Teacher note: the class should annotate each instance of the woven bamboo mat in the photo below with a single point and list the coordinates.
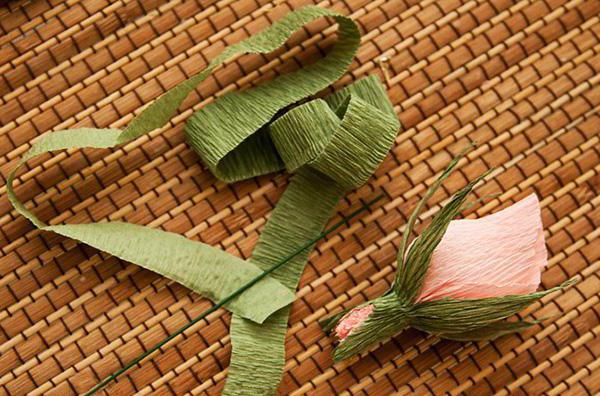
(520, 77)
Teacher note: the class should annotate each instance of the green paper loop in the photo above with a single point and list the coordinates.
(300, 136)
(231, 134)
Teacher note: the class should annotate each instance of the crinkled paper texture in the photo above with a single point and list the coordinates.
(497, 255)
(358, 142)
(352, 320)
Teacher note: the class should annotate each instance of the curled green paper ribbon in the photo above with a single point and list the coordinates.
(207, 270)
(333, 145)
(202, 268)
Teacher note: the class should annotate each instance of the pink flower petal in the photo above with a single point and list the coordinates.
(497, 255)
(352, 320)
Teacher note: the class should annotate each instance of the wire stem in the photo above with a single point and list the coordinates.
(231, 297)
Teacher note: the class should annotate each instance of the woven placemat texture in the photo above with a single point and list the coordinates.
(521, 77)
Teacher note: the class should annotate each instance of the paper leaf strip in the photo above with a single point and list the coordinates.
(259, 106)
(460, 279)
(207, 270)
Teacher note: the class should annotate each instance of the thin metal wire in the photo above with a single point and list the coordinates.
(231, 297)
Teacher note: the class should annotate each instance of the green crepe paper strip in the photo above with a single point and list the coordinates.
(333, 144)
(456, 319)
(148, 352)
(202, 268)
(258, 351)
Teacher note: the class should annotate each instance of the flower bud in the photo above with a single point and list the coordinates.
(460, 279)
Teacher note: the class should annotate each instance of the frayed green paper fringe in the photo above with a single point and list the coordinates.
(333, 145)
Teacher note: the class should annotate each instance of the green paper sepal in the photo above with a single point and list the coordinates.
(490, 331)
(450, 315)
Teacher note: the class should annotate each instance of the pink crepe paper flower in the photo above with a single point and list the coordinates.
(460, 279)
(498, 255)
